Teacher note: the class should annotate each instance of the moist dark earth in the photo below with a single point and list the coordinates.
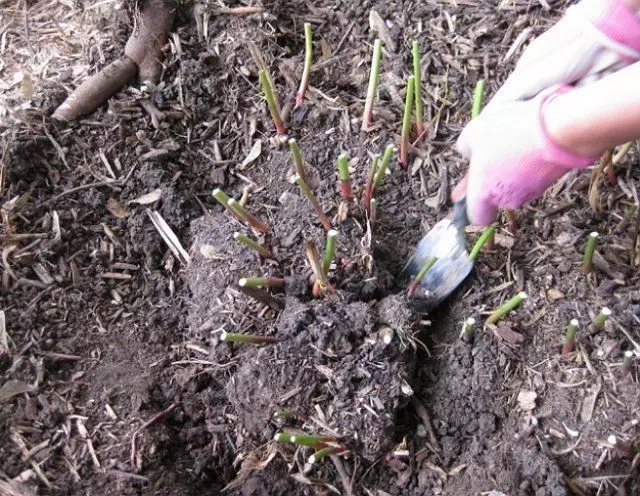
(114, 377)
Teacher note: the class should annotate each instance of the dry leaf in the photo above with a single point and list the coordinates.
(589, 403)
(378, 26)
(509, 335)
(151, 197)
(14, 387)
(598, 170)
(554, 294)
(116, 209)
(527, 400)
(255, 152)
(564, 239)
(504, 241)
(249, 464)
(209, 252)
(27, 86)
(4, 340)
(325, 49)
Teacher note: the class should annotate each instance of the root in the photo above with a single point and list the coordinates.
(149, 36)
(97, 89)
(141, 58)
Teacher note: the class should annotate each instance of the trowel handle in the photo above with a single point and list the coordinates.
(459, 197)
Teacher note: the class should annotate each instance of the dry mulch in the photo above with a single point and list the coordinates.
(113, 376)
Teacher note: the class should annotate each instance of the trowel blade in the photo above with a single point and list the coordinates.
(446, 242)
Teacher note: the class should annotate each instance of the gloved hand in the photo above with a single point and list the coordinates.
(594, 38)
(512, 157)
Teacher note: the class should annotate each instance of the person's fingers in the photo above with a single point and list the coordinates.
(481, 210)
(463, 143)
(547, 62)
(461, 189)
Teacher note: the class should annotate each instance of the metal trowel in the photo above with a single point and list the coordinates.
(446, 242)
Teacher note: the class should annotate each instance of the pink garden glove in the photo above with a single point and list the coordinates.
(594, 38)
(512, 158)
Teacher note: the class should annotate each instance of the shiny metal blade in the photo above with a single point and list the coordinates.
(446, 242)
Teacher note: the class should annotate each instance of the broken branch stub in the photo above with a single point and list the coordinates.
(141, 58)
(96, 90)
(150, 34)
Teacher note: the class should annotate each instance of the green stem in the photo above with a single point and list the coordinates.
(587, 261)
(627, 361)
(308, 58)
(297, 158)
(221, 196)
(382, 170)
(321, 286)
(254, 245)
(570, 337)
(417, 74)
(283, 414)
(232, 337)
(236, 207)
(373, 85)
(467, 329)
(601, 318)
(283, 437)
(313, 441)
(343, 175)
(373, 206)
(321, 453)
(368, 188)
(318, 442)
(271, 102)
(418, 279)
(506, 308)
(239, 211)
(260, 282)
(406, 122)
(314, 202)
(488, 234)
(478, 96)
(329, 251)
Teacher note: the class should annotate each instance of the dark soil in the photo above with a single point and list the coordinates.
(114, 379)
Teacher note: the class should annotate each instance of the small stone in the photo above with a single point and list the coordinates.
(527, 400)
(554, 294)
(564, 266)
(564, 239)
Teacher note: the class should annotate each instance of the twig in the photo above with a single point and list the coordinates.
(98, 184)
(263, 297)
(368, 188)
(344, 477)
(153, 419)
(426, 420)
(238, 10)
(169, 236)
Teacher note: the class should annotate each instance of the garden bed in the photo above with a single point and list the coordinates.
(121, 383)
